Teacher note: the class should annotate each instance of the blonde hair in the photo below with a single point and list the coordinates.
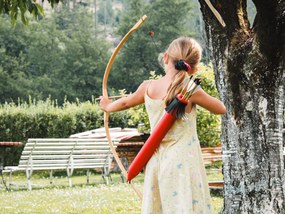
(190, 51)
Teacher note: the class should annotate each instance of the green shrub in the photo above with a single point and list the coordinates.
(208, 124)
(208, 128)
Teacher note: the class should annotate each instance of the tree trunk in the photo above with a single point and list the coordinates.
(249, 71)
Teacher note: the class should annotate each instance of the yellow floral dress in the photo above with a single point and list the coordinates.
(175, 178)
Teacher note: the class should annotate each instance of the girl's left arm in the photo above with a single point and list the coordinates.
(131, 100)
(208, 102)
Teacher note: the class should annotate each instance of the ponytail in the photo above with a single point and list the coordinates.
(186, 54)
(175, 87)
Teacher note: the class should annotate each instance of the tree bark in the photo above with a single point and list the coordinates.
(249, 71)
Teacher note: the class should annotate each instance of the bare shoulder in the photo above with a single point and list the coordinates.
(141, 89)
(143, 86)
(146, 83)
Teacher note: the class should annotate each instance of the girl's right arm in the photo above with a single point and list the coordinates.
(208, 102)
(126, 102)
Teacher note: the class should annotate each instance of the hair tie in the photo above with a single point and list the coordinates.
(182, 65)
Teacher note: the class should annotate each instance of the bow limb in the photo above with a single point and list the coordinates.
(116, 51)
(105, 94)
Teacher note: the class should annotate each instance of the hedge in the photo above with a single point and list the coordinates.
(45, 119)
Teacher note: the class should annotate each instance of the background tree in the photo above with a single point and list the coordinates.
(84, 56)
(14, 82)
(58, 56)
(140, 54)
(249, 70)
(105, 13)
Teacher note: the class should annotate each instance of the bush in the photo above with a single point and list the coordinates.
(208, 124)
(208, 128)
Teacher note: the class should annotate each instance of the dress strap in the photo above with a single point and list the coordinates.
(149, 82)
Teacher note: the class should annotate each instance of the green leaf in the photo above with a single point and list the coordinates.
(24, 19)
(13, 15)
(40, 9)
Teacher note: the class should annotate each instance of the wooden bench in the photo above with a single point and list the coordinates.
(211, 154)
(3, 147)
(64, 154)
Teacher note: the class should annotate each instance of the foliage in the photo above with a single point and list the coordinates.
(13, 63)
(106, 13)
(58, 56)
(47, 119)
(208, 124)
(12, 8)
(62, 55)
(139, 118)
(139, 55)
(208, 128)
(206, 73)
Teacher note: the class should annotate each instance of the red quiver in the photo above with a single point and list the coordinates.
(156, 137)
(151, 145)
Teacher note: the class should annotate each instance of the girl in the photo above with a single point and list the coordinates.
(175, 179)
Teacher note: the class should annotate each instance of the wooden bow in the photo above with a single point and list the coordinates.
(105, 94)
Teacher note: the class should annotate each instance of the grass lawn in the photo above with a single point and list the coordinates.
(95, 198)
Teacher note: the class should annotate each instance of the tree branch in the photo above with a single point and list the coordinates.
(235, 16)
(12, 8)
(269, 25)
